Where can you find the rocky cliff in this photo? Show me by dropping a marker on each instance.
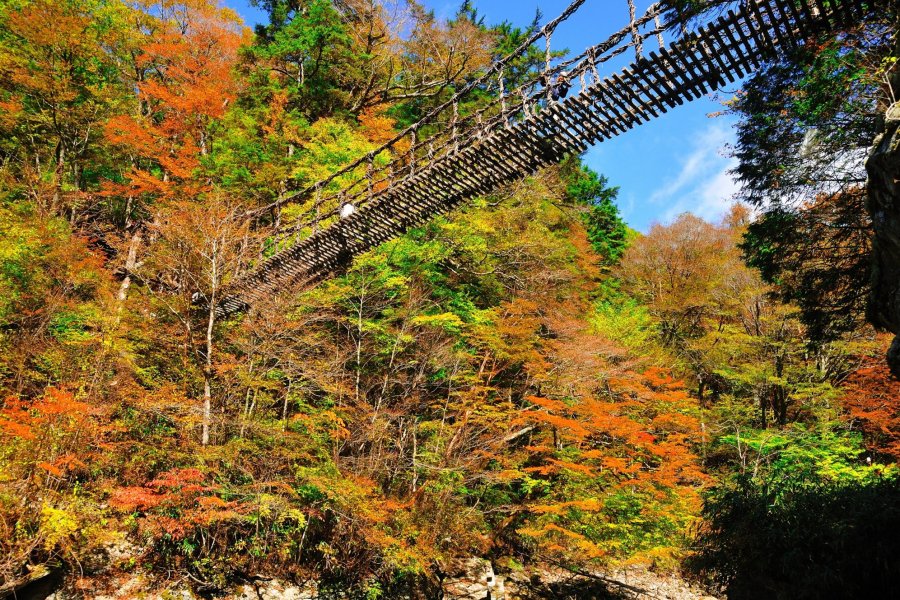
(883, 168)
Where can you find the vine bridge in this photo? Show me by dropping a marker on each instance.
(413, 177)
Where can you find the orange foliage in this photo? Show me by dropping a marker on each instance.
(603, 434)
(57, 410)
(646, 419)
(186, 492)
(376, 125)
(872, 396)
(190, 60)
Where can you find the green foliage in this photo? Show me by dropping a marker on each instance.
(606, 230)
(809, 523)
(312, 42)
(794, 250)
(806, 121)
(526, 66)
(627, 321)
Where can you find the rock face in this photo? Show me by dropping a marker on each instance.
(125, 586)
(475, 579)
(883, 168)
(276, 590)
(472, 579)
(466, 579)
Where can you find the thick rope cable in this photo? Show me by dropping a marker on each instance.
(635, 34)
(738, 43)
(479, 81)
(587, 63)
(460, 127)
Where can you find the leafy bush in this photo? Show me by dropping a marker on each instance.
(814, 526)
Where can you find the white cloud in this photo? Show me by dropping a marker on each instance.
(703, 185)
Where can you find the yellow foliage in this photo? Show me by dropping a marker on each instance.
(57, 525)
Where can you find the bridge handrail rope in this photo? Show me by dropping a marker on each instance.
(544, 31)
(531, 87)
(468, 127)
(472, 133)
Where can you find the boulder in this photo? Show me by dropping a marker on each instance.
(472, 579)
(273, 589)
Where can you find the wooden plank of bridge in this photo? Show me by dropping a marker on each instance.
(567, 111)
(598, 126)
(718, 54)
(484, 160)
(625, 113)
(494, 156)
(760, 32)
(560, 119)
(594, 100)
(521, 144)
(683, 55)
(625, 92)
(647, 85)
(638, 88)
(471, 178)
(734, 65)
(745, 46)
(666, 92)
(781, 26)
(447, 179)
(675, 73)
(558, 134)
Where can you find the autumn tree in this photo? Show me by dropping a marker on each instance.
(872, 396)
(675, 269)
(606, 230)
(198, 250)
(58, 86)
(186, 85)
(819, 258)
(47, 446)
(718, 316)
(52, 300)
(356, 54)
(806, 122)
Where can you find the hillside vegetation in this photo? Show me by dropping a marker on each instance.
(526, 380)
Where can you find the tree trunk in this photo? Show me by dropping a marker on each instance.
(207, 408)
(207, 370)
(56, 209)
(763, 407)
(130, 263)
(359, 331)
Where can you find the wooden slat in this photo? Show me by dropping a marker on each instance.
(782, 31)
(594, 97)
(718, 55)
(625, 113)
(749, 47)
(665, 89)
(734, 65)
(694, 86)
(675, 72)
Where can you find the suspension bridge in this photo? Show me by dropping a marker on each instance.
(413, 177)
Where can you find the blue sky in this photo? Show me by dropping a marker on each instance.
(674, 164)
